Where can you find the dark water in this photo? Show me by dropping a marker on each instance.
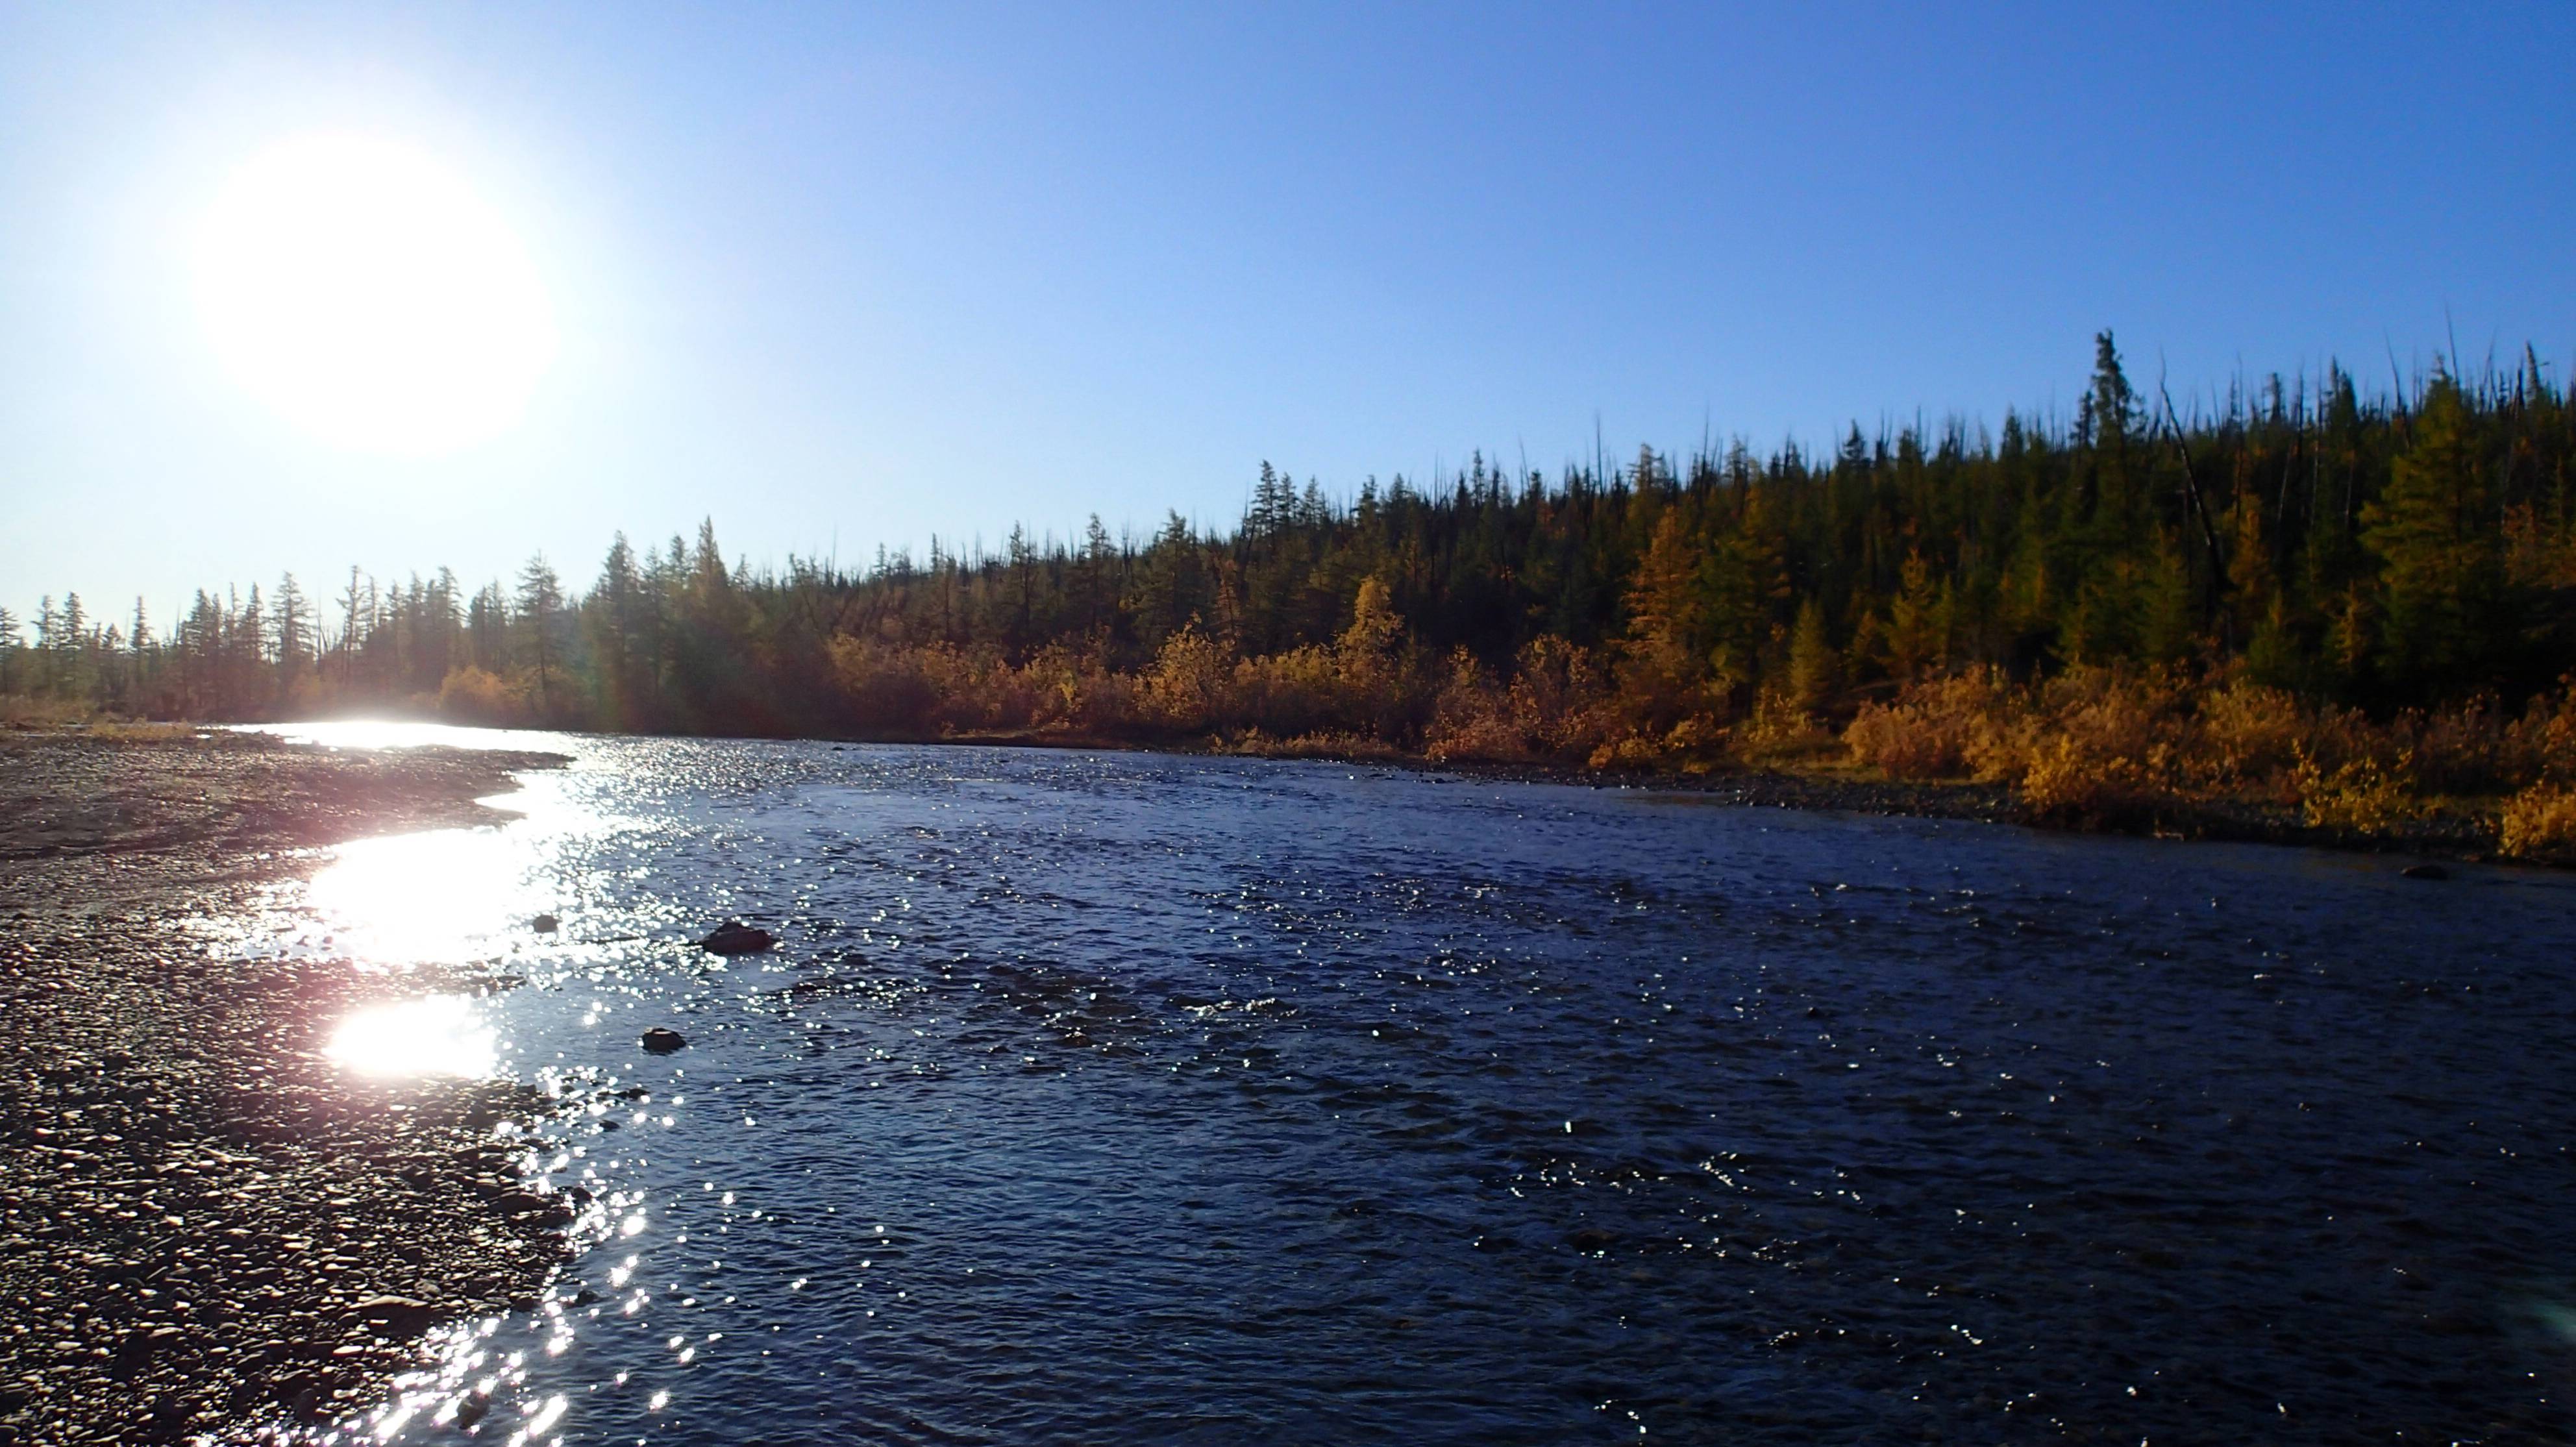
(1137, 1099)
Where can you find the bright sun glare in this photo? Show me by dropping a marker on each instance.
(440, 1035)
(367, 293)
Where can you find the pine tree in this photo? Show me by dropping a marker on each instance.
(293, 627)
(1814, 668)
(1918, 620)
(540, 603)
(1662, 664)
(2435, 532)
(614, 613)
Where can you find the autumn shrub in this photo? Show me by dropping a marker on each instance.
(883, 686)
(1694, 743)
(22, 711)
(2540, 821)
(1254, 743)
(1068, 686)
(1558, 705)
(1365, 684)
(2361, 796)
(1626, 750)
(2094, 745)
(2466, 749)
(2542, 743)
(479, 696)
(2061, 779)
(1560, 696)
(2111, 715)
(1377, 679)
(1473, 717)
(1781, 731)
(139, 731)
(306, 697)
(1905, 743)
(1936, 729)
(1289, 693)
(1187, 686)
(2246, 734)
(995, 696)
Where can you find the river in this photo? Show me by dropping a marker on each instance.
(1133, 1098)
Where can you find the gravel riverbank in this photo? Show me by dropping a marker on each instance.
(205, 1226)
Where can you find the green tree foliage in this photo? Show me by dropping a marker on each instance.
(2380, 552)
(2438, 534)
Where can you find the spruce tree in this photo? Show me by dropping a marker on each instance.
(1814, 668)
(2442, 567)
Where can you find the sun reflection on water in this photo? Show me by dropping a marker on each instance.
(437, 1035)
(412, 897)
(401, 734)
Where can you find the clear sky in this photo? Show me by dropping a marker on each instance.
(841, 275)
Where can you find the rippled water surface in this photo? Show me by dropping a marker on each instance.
(1123, 1098)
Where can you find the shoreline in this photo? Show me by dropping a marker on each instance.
(2441, 832)
(2438, 834)
(212, 1231)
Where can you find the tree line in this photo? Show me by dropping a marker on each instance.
(2376, 550)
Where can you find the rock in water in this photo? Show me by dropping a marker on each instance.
(2425, 871)
(733, 937)
(661, 1041)
(545, 924)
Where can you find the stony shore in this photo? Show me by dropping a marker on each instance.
(206, 1228)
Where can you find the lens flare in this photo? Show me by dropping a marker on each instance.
(439, 1035)
(366, 293)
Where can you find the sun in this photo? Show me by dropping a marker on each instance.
(367, 294)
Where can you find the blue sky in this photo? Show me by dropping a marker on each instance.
(844, 275)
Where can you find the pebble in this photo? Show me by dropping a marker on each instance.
(209, 1230)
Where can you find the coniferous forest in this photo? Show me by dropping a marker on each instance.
(2351, 604)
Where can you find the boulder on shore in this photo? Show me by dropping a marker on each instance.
(663, 1041)
(545, 924)
(733, 937)
(399, 1318)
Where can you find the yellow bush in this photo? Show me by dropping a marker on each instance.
(2543, 740)
(2114, 721)
(2064, 780)
(1473, 718)
(2540, 820)
(2247, 734)
(2462, 750)
(20, 710)
(1560, 696)
(1934, 730)
(2362, 796)
(1780, 731)
(477, 695)
(1626, 752)
(883, 683)
(1253, 743)
(1188, 684)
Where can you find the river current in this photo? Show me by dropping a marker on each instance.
(1125, 1098)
